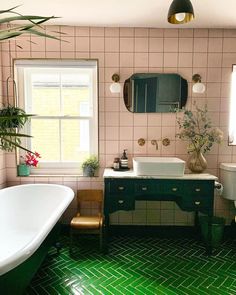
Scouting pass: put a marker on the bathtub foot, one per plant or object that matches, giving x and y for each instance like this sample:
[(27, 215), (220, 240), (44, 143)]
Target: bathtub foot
[(58, 247)]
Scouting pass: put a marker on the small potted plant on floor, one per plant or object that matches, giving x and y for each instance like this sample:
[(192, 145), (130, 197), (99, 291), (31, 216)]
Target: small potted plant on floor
[(90, 165), (30, 159)]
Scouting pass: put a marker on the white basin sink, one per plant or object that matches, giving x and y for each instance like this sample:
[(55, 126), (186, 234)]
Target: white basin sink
[(162, 166)]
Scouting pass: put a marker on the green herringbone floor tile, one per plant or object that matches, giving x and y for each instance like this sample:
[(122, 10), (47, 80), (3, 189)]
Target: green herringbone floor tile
[(138, 266)]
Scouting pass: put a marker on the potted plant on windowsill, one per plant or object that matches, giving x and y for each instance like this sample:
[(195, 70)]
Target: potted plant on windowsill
[(90, 165), (30, 160)]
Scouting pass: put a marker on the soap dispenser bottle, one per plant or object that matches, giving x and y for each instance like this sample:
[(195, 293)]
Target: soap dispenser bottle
[(124, 160)]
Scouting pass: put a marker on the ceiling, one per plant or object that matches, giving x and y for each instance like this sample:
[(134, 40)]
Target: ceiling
[(138, 13)]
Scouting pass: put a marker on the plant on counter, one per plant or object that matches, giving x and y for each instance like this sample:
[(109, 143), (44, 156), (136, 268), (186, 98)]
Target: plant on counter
[(90, 165), (197, 129)]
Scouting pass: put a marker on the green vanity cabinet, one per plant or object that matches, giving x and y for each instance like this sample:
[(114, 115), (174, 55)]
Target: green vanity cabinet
[(192, 192)]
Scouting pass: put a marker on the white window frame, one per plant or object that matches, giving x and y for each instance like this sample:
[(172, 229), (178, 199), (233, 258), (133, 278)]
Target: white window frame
[(232, 109), (58, 168)]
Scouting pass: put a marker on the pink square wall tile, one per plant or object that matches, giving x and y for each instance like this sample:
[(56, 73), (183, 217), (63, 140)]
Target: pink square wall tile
[(154, 119), (112, 32), (126, 145), (126, 59), (216, 33), (156, 32), (185, 44), (126, 119), (126, 44), (127, 32), (82, 43), (171, 44), (111, 59), (112, 119), (154, 133), (141, 44), (215, 45), (67, 30), (214, 60), (170, 60), (214, 75), (38, 44), (53, 45), (229, 45), (185, 33), (141, 32), (82, 31), (67, 54), (200, 45), (112, 104), (140, 119), (97, 44), (200, 59), (112, 133), (169, 33), (97, 31), (201, 33), (112, 44), (126, 133), (68, 44), (156, 44), (140, 132), (112, 147), (185, 60), (140, 59), (156, 59)]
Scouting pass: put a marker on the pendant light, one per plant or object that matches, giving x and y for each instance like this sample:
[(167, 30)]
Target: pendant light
[(180, 12)]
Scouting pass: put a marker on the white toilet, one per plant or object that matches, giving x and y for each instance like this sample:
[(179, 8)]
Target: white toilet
[(228, 179)]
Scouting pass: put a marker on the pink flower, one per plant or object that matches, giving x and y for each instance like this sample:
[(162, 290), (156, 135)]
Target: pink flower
[(30, 159)]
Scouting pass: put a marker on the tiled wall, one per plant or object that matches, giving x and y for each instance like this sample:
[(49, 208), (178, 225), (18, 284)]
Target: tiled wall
[(209, 53), (3, 172)]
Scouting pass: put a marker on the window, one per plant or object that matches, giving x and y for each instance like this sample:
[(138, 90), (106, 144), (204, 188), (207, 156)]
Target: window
[(63, 95), (232, 117)]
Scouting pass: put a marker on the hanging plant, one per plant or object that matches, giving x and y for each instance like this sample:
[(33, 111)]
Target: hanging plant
[(13, 118)]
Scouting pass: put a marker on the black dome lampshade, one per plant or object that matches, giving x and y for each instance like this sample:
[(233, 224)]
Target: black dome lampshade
[(180, 12)]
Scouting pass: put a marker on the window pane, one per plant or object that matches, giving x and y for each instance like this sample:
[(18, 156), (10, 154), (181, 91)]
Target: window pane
[(46, 140), (46, 94), (75, 140), (75, 90)]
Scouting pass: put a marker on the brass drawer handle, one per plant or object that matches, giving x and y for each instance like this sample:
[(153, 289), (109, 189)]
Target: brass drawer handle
[(121, 188), (174, 189), (197, 189), (121, 201), (144, 188), (197, 203)]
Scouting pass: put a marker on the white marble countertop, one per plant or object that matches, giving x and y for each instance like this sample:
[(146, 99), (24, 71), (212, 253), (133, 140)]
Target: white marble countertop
[(110, 173)]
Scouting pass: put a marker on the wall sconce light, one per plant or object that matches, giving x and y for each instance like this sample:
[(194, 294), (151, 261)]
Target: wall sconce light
[(180, 12), (115, 86), (198, 86)]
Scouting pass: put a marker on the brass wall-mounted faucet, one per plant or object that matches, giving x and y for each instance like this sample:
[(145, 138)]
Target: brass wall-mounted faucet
[(154, 142)]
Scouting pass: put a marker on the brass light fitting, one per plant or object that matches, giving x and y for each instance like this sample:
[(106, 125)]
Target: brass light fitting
[(180, 12)]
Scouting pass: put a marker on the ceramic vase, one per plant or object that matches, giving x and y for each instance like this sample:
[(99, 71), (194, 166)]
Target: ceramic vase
[(196, 162), (23, 170)]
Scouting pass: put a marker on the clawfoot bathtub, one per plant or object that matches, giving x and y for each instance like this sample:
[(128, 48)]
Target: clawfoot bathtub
[(28, 217)]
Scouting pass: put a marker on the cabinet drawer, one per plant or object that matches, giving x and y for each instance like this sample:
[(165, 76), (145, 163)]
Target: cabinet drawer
[(199, 188), (122, 203), (121, 186), (146, 187), (172, 187)]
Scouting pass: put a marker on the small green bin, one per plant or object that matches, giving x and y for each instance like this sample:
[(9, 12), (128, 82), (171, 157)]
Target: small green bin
[(212, 229)]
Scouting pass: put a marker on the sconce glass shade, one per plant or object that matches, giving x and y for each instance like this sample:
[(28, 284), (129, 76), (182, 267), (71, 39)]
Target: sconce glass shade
[(115, 86), (199, 87), (180, 12)]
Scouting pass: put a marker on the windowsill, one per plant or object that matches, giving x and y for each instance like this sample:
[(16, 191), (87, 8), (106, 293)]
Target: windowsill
[(58, 175)]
